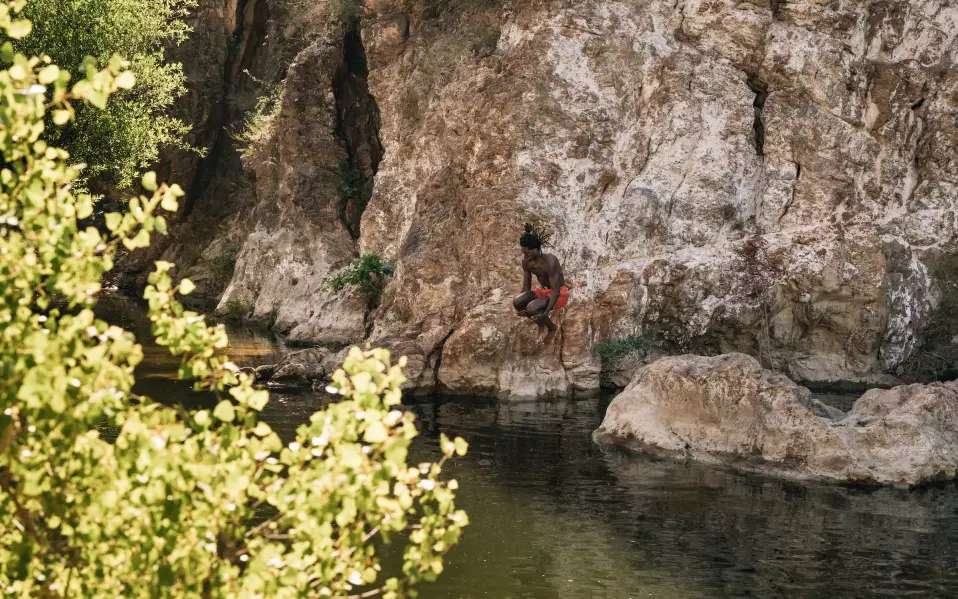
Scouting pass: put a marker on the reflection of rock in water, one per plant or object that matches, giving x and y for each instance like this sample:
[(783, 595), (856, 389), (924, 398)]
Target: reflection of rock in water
[(547, 505), (247, 348), (800, 539), (536, 492)]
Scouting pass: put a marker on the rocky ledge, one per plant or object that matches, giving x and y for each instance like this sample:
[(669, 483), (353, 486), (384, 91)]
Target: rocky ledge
[(729, 410)]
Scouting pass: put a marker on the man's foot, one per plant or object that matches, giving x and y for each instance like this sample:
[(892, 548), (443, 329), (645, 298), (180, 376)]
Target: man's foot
[(540, 333), (550, 336)]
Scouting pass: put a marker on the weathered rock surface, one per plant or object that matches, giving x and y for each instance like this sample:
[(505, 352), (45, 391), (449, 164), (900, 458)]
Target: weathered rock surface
[(729, 410), (772, 178), (301, 368)]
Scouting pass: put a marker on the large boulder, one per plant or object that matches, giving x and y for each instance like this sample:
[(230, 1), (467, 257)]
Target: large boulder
[(300, 368), (729, 410)]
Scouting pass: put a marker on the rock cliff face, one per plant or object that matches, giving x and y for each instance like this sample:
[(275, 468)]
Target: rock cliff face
[(772, 178)]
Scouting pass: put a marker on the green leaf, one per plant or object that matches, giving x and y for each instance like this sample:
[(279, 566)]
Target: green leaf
[(125, 80), (113, 220), (140, 240), (461, 446), (169, 202), (202, 418), (19, 29), (149, 181), (375, 433), (224, 411), (186, 287), (48, 74), (258, 400)]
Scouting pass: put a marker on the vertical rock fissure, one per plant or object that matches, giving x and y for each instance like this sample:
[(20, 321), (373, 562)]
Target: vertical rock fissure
[(775, 7), (358, 128), (760, 89), (791, 199), (437, 351), (245, 40)]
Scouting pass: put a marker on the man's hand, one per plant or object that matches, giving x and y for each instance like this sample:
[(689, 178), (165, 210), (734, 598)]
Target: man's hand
[(543, 319)]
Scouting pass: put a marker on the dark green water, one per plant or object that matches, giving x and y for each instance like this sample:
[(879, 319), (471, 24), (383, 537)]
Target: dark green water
[(555, 516)]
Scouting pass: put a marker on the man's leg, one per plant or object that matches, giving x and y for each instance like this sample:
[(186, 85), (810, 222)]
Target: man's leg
[(521, 302), (535, 309)]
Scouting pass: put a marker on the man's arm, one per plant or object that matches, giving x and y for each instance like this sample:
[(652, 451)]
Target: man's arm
[(526, 279), (556, 281)]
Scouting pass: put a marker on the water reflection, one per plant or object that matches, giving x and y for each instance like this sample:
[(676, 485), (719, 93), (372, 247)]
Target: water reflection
[(555, 516)]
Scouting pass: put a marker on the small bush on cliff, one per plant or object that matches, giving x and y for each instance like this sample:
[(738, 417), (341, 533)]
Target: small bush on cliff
[(126, 137), (352, 186), (616, 348), (260, 122), (224, 263), (368, 272), (185, 503)]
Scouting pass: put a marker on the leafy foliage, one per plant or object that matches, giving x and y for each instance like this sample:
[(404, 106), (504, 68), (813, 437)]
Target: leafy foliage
[(261, 121), (183, 503), (368, 272), (224, 263), (121, 141), (236, 309), (352, 186), (616, 348)]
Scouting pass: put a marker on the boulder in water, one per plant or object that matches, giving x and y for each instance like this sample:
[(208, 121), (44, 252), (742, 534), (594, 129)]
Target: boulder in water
[(729, 410), (300, 368)]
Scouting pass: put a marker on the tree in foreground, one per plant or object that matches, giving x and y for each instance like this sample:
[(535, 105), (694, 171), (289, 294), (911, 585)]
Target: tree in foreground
[(184, 503), (122, 140)]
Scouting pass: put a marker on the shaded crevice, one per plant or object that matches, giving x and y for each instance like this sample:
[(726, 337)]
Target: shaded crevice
[(357, 127), (437, 352), (249, 35), (760, 89), (791, 200), (776, 7)]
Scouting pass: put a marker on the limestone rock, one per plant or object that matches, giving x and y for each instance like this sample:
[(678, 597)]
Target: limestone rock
[(777, 179), (300, 368), (264, 373), (729, 410), (743, 178)]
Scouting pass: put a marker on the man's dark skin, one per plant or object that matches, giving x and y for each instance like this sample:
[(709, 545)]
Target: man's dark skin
[(547, 270)]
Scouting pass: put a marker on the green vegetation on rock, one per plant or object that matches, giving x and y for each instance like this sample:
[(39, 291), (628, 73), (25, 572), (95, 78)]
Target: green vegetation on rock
[(616, 348), (368, 272), (185, 503), (119, 142)]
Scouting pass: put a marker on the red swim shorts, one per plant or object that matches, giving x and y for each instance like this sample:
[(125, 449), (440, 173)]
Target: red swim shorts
[(546, 292)]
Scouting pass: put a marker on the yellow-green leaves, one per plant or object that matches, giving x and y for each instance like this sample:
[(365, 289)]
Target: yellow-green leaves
[(224, 411), (149, 181), (186, 287), (144, 496), (19, 29)]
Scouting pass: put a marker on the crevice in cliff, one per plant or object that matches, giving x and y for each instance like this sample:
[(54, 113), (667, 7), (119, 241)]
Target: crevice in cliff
[(775, 6), (358, 128), (251, 17), (791, 200), (760, 89), (437, 352)]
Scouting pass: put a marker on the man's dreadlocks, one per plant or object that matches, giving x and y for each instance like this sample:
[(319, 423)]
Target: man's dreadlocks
[(534, 237)]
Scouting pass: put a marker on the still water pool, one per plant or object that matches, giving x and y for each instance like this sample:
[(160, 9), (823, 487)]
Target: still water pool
[(555, 516)]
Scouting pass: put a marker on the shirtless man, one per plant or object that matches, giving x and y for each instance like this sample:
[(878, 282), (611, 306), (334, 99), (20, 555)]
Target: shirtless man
[(553, 293)]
